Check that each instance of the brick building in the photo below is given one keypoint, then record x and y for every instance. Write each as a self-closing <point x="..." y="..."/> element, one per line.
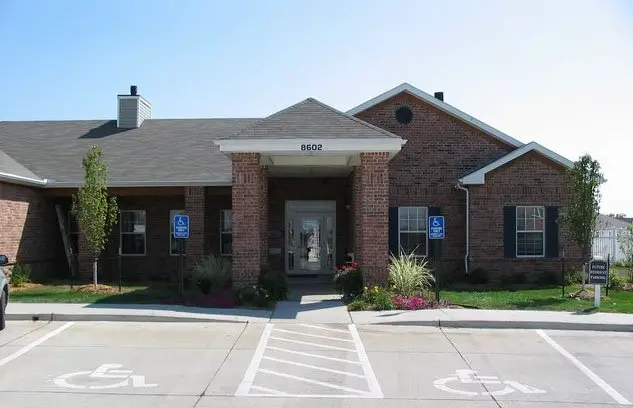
<point x="299" y="190"/>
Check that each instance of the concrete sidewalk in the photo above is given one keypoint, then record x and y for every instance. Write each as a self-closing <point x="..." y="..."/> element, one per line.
<point x="326" y="312"/>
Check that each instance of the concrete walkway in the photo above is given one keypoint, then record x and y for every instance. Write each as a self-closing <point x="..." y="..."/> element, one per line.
<point x="325" y="311"/>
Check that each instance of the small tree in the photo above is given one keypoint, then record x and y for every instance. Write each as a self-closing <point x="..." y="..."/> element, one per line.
<point x="583" y="206"/>
<point x="95" y="212"/>
<point x="625" y="239"/>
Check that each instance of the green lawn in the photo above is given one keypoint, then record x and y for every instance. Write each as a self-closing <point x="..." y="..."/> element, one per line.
<point x="619" y="301"/>
<point x="63" y="294"/>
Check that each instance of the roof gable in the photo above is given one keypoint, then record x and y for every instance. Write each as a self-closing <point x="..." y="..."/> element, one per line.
<point x="311" y="119"/>
<point x="12" y="171"/>
<point x="479" y="176"/>
<point x="441" y="105"/>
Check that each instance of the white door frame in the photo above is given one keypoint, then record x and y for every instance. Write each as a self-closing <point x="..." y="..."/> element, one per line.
<point x="296" y="207"/>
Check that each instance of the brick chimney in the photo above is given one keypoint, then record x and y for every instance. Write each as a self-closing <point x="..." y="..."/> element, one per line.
<point x="133" y="109"/>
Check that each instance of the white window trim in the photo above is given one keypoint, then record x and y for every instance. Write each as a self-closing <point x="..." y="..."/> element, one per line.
<point x="425" y="231"/>
<point x="222" y="232"/>
<point x="121" y="233"/>
<point x="171" y="232"/>
<point x="517" y="231"/>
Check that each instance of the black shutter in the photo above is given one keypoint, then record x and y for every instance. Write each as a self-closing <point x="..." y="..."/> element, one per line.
<point x="551" y="232"/>
<point x="433" y="212"/>
<point x="393" y="231"/>
<point x="509" y="232"/>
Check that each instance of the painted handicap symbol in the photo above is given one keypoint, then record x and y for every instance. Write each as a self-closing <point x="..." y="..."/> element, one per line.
<point x="104" y="371"/>
<point x="181" y="222"/>
<point x="471" y="377"/>
<point x="435" y="223"/>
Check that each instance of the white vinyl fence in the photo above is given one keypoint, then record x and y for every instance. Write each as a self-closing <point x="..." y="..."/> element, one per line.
<point x="606" y="243"/>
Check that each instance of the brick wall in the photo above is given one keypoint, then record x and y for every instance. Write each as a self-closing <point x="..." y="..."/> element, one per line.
<point x="528" y="180"/>
<point x="373" y="217"/>
<point x="28" y="229"/>
<point x="157" y="263"/>
<point x="195" y="208"/>
<point x="263" y="226"/>
<point x="246" y="206"/>
<point x="439" y="150"/>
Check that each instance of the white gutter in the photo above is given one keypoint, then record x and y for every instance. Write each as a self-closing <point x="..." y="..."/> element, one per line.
<point x="459" y="186"/>
<point x="12" y="178"/>
<point x="157" y="183"/>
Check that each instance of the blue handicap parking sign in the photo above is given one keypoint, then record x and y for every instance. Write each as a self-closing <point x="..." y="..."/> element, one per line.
<point x="181" y="226"/>
<point x="436" y="227"/>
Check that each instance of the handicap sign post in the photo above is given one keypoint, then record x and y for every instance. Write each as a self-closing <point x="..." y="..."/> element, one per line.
<point x="436" y="233"/>
<point x="181" y="233"/>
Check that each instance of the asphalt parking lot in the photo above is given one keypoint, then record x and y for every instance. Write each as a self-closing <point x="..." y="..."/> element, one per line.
<point x="101" y="364"/>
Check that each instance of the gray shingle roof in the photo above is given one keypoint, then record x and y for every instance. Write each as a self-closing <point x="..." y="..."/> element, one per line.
<point x="311" y="119"/>
<point x="165" y="150"/>
<point x="11" y="167"/>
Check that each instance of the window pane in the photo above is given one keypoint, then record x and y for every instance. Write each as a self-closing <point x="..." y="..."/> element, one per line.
<point x="538" y="224"/>
<point x="227" y="244"/>
<point x="409" y="242"/>
<point x="133" y="244"/>
<point x="530" y="244"/>
<point x="520" y="212"/>
<point x="226" y="221"/>
<point x="412" y="218"/>
<point x="521" y="224"/>
<point x="133" y="221"/>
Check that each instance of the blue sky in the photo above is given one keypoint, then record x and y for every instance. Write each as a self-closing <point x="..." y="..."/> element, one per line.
<point x="556" y="72"/>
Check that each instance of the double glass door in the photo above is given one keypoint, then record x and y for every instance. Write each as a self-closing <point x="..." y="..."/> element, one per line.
<point x="310" y="242"/>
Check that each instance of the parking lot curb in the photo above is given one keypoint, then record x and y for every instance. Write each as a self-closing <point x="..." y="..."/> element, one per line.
<point x="61" y="317"/>
<point x="527" y="325"/>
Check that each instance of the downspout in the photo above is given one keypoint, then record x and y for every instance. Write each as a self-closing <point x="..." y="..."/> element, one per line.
<point x="467" y="255"/>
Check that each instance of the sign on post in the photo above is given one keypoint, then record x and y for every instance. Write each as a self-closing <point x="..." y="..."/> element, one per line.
<point x="436" y="227"/>
<point x="181" y="226"/>
<point x="598" y="272"/>
<point x="598" y="275"/>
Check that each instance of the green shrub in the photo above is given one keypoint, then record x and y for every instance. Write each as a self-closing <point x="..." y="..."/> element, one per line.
<point x="20" y="274"/>
<point x="348" y="280"/>
<point x="513" y="278"/>
<point x="252" y="296"/>
<point x="572" y="277"/>
<point x="377" y="298"/>
<point x="545" y="278"/>
<point x="274" y="283"/>
<point x="409" y="275"/>
<point x="213" y="273"/>
<point x="478" y="276"/>
<point x="358" y="304"/>
<point x="615" y="280"/>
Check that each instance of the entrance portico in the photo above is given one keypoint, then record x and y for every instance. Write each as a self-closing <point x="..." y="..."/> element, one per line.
<point x="302" y="142"/>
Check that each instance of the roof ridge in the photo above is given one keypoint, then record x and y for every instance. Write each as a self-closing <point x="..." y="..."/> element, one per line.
<point x="355" y="119"/>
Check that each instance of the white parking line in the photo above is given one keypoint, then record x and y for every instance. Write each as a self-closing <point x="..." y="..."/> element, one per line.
<point x="619" y="398"/>
<point x="312" y="344"/>
<point x="248" y="388"/>
<point x="34" y="344"/>
<point x="302" y="353"/>
<point x="268" y="390"/>
<point x="307" y="380"/>
<point x="312" y="326"/>
<point x="329" y="370"/>
<point x="247" y="381"/>
<point x="314" y="335"/>
<point x="372" y="381"/>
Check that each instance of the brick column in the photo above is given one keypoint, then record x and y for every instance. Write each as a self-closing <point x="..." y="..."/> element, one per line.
<point x="356" y="195"/>
<point x="264" y="218"/>
<point x="374" y="217"/>
<point x="247" y="214"/>
<point x="195" y="209"/>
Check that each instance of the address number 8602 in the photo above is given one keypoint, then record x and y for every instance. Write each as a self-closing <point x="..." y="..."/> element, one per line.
<point x="311" y="147"/>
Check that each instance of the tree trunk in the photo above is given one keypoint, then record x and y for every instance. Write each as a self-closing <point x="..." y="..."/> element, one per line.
<point x="94" y="272"/>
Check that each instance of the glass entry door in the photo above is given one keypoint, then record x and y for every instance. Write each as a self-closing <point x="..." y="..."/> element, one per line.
<point x="310" y="242"/>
